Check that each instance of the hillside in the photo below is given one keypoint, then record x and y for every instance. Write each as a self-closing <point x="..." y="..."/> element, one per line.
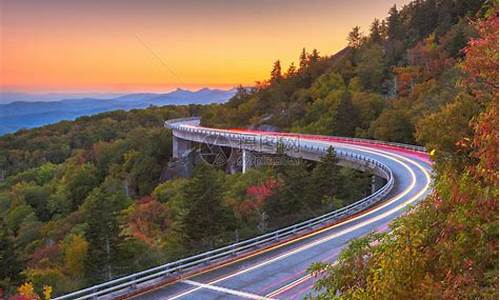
<point x="427" y="74"/>
<point x="69" y="189"/>
<point x="403" y="68"/>
<point x="79" y="195"/>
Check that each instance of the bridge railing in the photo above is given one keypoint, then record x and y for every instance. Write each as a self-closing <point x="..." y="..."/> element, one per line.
<point x="178" y="124"/>
<point x="128" y="283"/>
<point x="375" y="142"/>
<point x="140" y="280"/>
<point x="188" y="120"/>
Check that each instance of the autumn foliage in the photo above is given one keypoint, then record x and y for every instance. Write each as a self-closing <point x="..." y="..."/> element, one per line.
<point x="256" y="197"/>
<point x="85" y="201"/>
<point x="447" y="247"/>
<point x="481" y="65"/>
<point x="147" y="220"/>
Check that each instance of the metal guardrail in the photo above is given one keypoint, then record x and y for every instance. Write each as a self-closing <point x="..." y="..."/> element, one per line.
<point x="177" y="124"/>
<point x="188" y="120"/>
<point x="376" y="142"/>
<point x="129" y="283"/>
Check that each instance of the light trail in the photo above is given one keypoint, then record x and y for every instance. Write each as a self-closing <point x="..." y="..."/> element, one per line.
<point x="304" y="278"/>
<point x="388" y="155"/>
<point x="226" y="290"/>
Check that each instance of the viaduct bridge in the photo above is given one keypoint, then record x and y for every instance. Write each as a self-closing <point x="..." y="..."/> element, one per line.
<point x="273" y="265"/>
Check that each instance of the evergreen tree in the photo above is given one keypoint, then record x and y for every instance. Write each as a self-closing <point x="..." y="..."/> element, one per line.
<point x="325" y="178"/>
<point x="10" y="263"/>
<point x="355" y="38"/>
<point x="395" y="30"/>
<point x="206" y="214"/>
<point x="313" y="57"/>
<point x="102" y="208"/>
<point x="276" y="75"/>
<point x="346" y="116"/>
<point x="80" y="180"/>
<point x="292" y="70"/>
<point x="303" y="59"/>
<point x="396" y="35"/>
<point x="376" y="32"/>
<point x="292" y="195"/>
<point x="456" y="39"/>
<point x="279" y="168"/>
<point x="383" y="29"/>
<point x="241" y="96"/>
<point x="424" y="19"/>
<point x="370" y="68"/>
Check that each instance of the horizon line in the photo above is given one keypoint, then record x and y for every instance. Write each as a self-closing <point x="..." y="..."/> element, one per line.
<point x="125" y="91"/>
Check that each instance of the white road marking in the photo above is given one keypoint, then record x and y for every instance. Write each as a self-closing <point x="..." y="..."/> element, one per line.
<point x="226" y="290"/>
<point x="294" y="283"/>
<point x="289" y="286"/>
<point x="347" y="230"/>
<point x="391" y="156"/>
<point x="307" y="276"/>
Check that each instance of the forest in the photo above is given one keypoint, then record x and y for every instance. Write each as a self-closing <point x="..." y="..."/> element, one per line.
<point x="85" y="201"/>
<point x="75" y="196"/>
<point x="447" y="246"/>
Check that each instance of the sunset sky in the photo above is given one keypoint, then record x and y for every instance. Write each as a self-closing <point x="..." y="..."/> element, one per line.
<point x="149" y="45"/>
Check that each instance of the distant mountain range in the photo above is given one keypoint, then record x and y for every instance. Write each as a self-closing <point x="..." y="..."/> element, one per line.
<point x="9" y="97"/>
<point x="28" y="113"/>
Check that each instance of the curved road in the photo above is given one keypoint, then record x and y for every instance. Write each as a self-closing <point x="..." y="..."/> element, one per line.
<point x="279" y="272"/>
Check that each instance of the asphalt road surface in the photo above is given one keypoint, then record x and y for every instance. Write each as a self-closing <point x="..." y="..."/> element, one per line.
<point x="280" y="272"/>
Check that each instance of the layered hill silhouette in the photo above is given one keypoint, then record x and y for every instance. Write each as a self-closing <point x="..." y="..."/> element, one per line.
<point x="25" y="114"/>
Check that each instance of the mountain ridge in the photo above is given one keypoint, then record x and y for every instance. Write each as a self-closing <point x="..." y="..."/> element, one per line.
<point x="13" y="115"/>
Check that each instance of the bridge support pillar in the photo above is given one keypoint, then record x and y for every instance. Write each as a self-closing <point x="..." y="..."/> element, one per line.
<point x="246" y="160"/>
<point x="180" y="147"/>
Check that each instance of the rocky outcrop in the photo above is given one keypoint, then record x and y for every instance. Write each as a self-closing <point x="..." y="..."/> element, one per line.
<point x="181" y="167"/>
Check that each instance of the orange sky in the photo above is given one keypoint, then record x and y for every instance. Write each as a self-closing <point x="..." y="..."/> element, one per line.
<point x="150" y="45"/>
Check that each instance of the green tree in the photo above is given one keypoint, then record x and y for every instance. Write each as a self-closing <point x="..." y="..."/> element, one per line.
<point x="444" y="131"/>
<point x="10" y="262"/>
<point x="75" y="249"/>
<point x="291" y="197"/>
<point x="276" y="75"/>
<point x="206" y="214"/>
<point x="18" y="215"/>
<point x="355" y="38"/>
<point x="170" y="191"/>
<point x="346" y="116"/>
<point x="241" y="96"/>
<point x="45" y="173"/>
<point x="37" y="197"/>
<point x="80" y="180"/>
<point x="59" y="202"/>
<point x="324" y="178"/>
<point x="368" y="106"/>
<point x="393" y="125"/>
<point x="457" y="37"/>
<point x="313" y="57"/>
<point x="395" y="26"/>
<point x="292" y="71"/>
<point x="395" y="47"/>
<point x="102" y="208"/>
<point x="376" y="32"/>
<point x="370" y="68"/>
<point x="326" y="84"/>
<point x="303" y="59"/>
<point x="352" y="185"/>
<point x="150" y="151"/>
